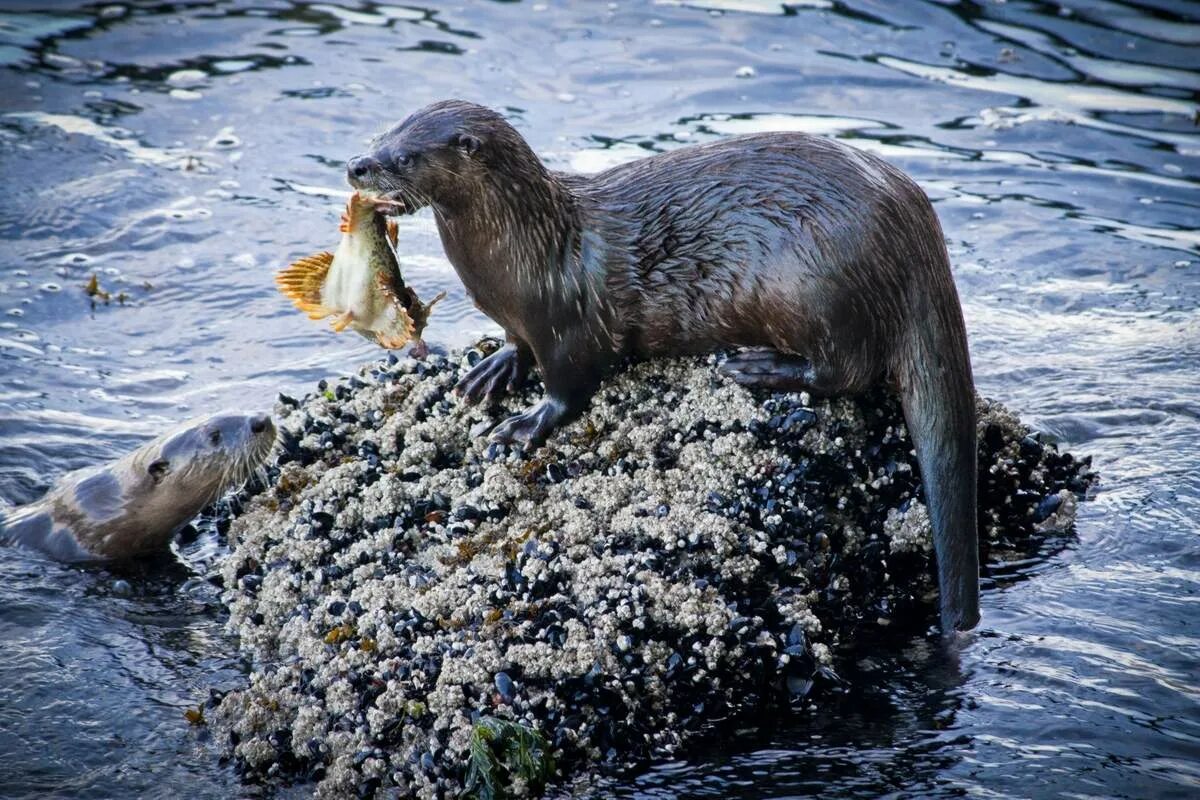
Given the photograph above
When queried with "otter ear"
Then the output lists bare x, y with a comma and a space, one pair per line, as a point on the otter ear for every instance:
158, 469
467, 143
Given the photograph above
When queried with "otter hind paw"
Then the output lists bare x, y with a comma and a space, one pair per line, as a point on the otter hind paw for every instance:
771, 369
502, 372
532, 426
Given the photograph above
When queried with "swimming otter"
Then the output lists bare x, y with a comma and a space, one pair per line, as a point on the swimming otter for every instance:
132, 506
828, 260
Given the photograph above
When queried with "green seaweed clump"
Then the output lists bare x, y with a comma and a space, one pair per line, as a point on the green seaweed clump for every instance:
502, 750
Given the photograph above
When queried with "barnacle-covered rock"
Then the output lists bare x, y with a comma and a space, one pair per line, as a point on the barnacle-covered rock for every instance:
684, 551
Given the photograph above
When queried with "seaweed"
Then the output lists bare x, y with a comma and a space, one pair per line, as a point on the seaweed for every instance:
501, 750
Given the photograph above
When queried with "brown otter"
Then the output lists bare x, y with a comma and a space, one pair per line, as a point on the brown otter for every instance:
828, 260
132, 506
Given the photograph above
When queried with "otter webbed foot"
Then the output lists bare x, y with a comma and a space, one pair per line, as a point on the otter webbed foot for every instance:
501, 372
532, 426
771, 369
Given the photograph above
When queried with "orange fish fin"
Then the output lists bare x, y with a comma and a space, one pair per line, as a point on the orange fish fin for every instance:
342, 322
356, 205
391, 342
301, 281
410, 326
393, 232
402, 320
347, 223
317, 311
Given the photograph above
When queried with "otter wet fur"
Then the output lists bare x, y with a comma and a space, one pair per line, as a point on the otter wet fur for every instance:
132, 507
360, 285
827, 261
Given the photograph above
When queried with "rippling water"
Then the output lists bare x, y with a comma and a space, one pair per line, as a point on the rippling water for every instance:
181, 152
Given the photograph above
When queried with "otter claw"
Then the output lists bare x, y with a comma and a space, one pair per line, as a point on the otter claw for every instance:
531, 427
502, 371
480, 428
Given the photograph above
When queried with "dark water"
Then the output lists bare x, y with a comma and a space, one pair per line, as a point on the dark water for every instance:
182, 151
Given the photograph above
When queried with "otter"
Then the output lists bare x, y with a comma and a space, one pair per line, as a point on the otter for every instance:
131, 507
826, 261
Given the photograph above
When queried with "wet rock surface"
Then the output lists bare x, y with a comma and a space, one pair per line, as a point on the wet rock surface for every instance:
684, 552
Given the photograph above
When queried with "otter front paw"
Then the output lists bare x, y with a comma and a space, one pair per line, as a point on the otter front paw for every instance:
533, 426
503, 371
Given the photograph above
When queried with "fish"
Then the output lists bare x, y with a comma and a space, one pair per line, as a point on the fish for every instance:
360, 284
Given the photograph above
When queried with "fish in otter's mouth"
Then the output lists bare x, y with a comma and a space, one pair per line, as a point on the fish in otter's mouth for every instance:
392, 204
360, 284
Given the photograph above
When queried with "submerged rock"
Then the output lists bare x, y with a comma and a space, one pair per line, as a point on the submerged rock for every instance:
684, 551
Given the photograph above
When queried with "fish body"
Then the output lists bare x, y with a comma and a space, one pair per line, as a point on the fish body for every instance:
359, 284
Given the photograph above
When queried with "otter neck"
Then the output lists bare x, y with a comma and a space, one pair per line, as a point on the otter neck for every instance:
512, 239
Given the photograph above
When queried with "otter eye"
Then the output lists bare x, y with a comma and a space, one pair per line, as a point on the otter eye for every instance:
214, 438
158, 469
404, 159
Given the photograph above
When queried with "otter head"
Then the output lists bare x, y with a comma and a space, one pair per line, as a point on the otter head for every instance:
134, 505
447, 155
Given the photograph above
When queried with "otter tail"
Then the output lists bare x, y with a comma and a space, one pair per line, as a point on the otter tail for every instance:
938, 396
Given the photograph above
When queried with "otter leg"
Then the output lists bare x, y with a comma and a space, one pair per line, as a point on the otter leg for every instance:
503, 371
570, 383
771, 369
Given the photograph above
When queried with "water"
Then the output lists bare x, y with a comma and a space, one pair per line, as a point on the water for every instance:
182, 152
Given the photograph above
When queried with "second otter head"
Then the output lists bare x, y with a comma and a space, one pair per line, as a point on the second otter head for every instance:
133, 505
441, 155
190, 465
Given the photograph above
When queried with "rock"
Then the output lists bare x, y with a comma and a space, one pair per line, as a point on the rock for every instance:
682, 552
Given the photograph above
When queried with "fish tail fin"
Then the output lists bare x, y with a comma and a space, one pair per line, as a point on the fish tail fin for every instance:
430, 304
422, 311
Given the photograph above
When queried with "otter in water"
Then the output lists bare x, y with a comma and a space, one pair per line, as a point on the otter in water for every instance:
827, 261
132, 506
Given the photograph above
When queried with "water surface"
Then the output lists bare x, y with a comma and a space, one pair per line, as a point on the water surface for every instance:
181, 152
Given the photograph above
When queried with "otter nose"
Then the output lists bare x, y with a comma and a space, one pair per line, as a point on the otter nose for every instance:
259, 423
360, 167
